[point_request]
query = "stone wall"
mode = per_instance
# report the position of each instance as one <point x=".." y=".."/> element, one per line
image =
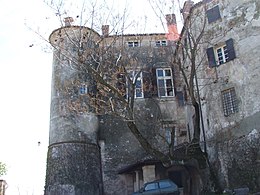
<point x="233" y="140"/>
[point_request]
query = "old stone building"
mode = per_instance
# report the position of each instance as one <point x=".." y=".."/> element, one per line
<point x="97" y="153"/>
<point x="3" y="186"/>
<point x="93" y="153"/>
<point x="227" y="67"/>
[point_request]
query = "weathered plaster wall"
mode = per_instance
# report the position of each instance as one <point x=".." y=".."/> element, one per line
<point x="233" y="141"/>
<point x="73" y="162"/>
<point x="121" y="149"/>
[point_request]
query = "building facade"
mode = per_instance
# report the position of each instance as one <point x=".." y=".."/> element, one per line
<point x="93" y="153"/>
<point x="96" y="153"/>
<point x="227" y="67"/>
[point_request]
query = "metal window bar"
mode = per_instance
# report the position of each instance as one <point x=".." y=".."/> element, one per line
<point x="229" y="100"/>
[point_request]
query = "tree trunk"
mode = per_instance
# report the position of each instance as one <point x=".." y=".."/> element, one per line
<point x="147" y="146"/>
<point x="196" y="133"/>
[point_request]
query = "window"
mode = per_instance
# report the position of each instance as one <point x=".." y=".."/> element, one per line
<point x="229" y="101"/>
<point x="83" y="89"/>
<point x="137" y="77"/>
<point x="168" y="135"/>
<point x="168" y="131"/>
<point x="160" y="43"/>
<point x="213" y="14"/>
<point x="133" y="44"/>
<point x="221" y="54"/>
<point x="151" y="186"/>
<point x="164" y="82"/>
<point x="165" y="184"/>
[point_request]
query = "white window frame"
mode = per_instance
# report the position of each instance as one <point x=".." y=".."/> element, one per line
<point x="166" y="79"/>
<point x="133" y="44"/>
<point x="136" y="75"/>
<point x="221" y="54"/>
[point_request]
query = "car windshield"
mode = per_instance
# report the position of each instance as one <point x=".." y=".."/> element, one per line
<point x="151" y="186"/>
<point x="165" y="184"/>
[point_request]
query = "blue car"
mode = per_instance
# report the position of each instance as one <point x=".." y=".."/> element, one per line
<point x="159" y="187"/>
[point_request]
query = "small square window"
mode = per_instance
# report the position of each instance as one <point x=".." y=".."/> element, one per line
<point x="83" y="89"/>
<point x="229" y="101"/>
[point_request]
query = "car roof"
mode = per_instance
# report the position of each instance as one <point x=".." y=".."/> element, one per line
<point x="159" y="181"/>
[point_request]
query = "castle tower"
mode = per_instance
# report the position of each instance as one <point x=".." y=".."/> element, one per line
<point x="3" y="186"/>
<point x="73" y="162"/>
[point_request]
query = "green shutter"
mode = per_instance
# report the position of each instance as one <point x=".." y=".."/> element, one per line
<point x="213" y="14"/>
<point x="211" y="57"/>
<point x="230" y="50"/>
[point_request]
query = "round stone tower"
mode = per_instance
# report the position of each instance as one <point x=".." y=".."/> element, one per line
<point x="73" y="162"/>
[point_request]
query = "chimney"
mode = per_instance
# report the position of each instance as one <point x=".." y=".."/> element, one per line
<point x="68" y="21"/>
<point x="172" y="34"/>
<point x="105" y="30"/>
<point x="186" y="9"/>
<point x="170" y="19"/>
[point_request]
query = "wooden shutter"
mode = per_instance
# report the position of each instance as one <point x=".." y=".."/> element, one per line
<point x="92" y="87"/>
<point x="121" y="83"/>
<point x="154" y="83"/>
<point x="213" y="14"/>
<point x="180" y="98"/>
<point x="230" y="50"/>
<point x="149" y="83"/>
<point x="211" y="57"/>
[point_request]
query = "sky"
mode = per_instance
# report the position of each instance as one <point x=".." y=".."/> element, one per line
<point x="25" y="84"/>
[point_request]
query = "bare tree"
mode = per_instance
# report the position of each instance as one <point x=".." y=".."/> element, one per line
<point x="189" y="62"/>
<point x="104" y="72"/>
<point x="3" y="169"/>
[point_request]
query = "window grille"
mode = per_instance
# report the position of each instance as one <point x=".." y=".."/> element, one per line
<point x="229" y="101"/>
